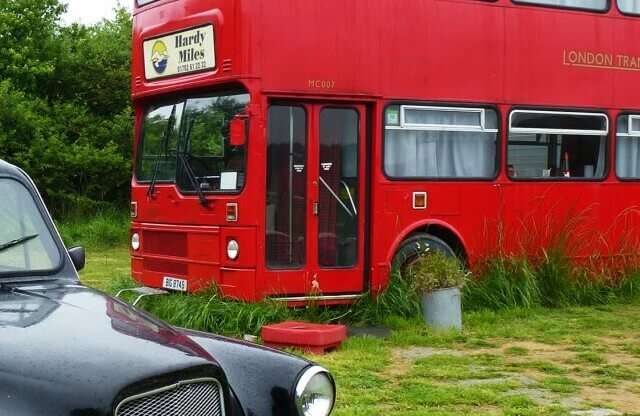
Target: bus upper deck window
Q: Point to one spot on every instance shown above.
(597, 5)
(557, 145)
(144, 2)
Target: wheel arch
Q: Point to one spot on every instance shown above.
(437, 228)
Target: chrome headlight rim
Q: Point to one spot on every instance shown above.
(303, 382)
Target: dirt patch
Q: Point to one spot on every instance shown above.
(618, 398)
(621, 358)
(403, 359)
(535, 351)
(623, 397)
(416, 353)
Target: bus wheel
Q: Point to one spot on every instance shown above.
(417, 244)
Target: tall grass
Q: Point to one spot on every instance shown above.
(506, 283)
(551, 281)
(566, 258)
(208, 311)
(540, 275)
(108, 228)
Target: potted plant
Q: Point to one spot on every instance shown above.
(439, 279)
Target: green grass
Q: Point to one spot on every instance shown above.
(519, 351)
(494, 367)
(208, 311)
(105, 230)
(550, 281)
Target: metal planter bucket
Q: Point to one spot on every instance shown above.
(442, 309)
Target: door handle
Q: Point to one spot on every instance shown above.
(316, 208)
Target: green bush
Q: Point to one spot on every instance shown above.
(65, 116)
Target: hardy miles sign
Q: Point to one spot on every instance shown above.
(180, 53)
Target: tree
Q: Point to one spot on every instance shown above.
(65, 115)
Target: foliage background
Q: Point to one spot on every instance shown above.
(65, 113)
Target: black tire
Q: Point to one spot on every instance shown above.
(412, 247)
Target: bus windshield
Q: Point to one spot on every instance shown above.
(26, 244)
(186, 142)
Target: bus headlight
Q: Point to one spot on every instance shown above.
(135, 241)
(233, 249)
(315, 393)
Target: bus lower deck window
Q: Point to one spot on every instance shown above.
(629, 6)
(440, 142)
(557, 145)
(628, 147)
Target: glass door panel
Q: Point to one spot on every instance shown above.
(338, 208)
(315, 202)
(286, 219)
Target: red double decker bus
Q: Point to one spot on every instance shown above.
(287, 149)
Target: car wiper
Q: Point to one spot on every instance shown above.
(187, 168)
(165, 149)
(17, 242)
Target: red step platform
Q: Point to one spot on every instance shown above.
(312, 338)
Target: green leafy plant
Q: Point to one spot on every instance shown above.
(432, 271)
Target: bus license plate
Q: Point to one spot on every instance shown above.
(173, 283)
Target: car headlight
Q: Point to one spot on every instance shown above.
(135, 241)
(315, 393)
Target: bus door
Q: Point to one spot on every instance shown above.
(315, 202)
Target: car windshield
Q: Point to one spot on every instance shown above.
(187, 142)
(26, 244)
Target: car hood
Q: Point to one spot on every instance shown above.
(70, 350)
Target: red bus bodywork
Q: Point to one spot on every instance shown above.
(365, 56)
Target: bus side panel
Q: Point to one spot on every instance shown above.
(540, 43)
(627, 87)
(368, 51)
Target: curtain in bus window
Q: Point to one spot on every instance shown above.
(440, 153)
(628, 157)
(629, 6)
(627, 150)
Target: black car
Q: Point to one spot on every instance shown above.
(66, 349)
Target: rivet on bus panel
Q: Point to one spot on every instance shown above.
(232, 212)
(419, 200)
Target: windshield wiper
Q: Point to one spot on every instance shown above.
(165, 149)
(17, 242)
(187, 168)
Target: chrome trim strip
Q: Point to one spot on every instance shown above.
(480, 111)
(173, 387)
(311, 298)
(443, 128)
(632, 118)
